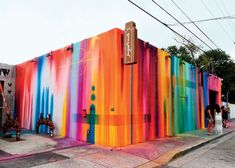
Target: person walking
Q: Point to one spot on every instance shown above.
(209, 118)
(218, 120)
(224, 116)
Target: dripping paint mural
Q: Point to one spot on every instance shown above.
(40, 83)
(91, 96)
(201, 103)
(84, 87)
(177, 93)
(164, 101)
(190, 94)
(144, 94)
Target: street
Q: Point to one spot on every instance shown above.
(219, 153)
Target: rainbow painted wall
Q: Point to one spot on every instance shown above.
(93, 97)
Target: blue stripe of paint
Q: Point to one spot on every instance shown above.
(42, 128)
(92, 124)
(52, 106)
(205, 91)
(40, 63)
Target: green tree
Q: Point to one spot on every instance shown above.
(219, 63)
(186, 51)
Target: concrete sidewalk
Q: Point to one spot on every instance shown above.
(59, 152)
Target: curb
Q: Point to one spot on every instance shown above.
(171, 155)
(183, 152)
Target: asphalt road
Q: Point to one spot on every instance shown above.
(217, 154)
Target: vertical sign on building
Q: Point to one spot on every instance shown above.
(130, 43)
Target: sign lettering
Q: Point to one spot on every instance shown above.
(130, 44)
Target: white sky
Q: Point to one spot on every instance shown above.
(30, 28)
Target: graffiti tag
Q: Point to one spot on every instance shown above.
(4, 72)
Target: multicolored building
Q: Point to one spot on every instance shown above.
(92, 96)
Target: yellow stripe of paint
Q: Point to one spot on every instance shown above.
(64, 118)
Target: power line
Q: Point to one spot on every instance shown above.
(192, 22)
(227, 12)
(181, 23)
(229, 22)
(217, 21)
(166, 25)
(222, 12)
(203, 20)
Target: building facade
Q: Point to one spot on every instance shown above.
(92, 96)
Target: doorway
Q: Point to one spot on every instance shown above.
(212, 97)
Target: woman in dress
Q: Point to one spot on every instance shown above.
(218, 120)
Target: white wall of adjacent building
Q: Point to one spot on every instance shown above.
(232, 110)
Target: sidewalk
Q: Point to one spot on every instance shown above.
(59, 152)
